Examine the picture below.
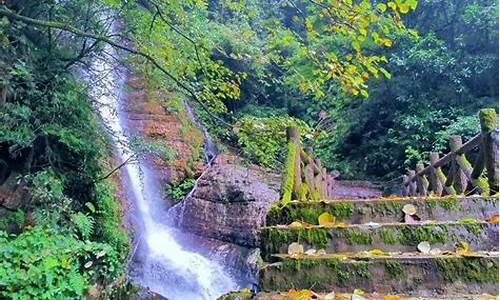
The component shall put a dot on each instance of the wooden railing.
(463, 177)
(304, 178)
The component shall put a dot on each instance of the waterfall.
(166, 266)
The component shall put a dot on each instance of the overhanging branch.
(68, 28)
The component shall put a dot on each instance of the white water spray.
(167, 268)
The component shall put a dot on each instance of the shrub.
(45, 264)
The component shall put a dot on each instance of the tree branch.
(69, 28)
(114, 170)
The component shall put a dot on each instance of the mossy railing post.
(293, 143)
(436, 175)
(422, 182)
(463, 167)
(489, 137)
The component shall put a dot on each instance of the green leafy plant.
(262, 140)
(45, 264)
(178, 192)
(83, 223)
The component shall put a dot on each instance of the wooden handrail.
(461, 171)
(471, 144)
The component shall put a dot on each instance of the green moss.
(308, 212)
(388, 236)
(431, 203)
(393, 269)
(488, 119)
(244, 294)
(361, 269)
(341, 210)
(288, 173)
(316, 237)
(482, 184)
(458, 269)
(449, 203)
(354, 236)
(320, 273)
(273, 239)
(303, 191)
(413, 235)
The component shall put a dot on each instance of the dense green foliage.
(66, 235)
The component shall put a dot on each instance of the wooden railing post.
(412, 183)
(464, 168)
(489, 135)
(436, 175)
(405, 189)
(422, 182)
(289, 176)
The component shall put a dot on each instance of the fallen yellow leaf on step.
(295, 224)
(391, 297)
(326, 219)
(378, 252)
(300, 295)
(462, 248)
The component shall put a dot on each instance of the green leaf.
(381, 7)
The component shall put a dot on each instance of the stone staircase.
(371, 248)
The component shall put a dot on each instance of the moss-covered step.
(387, 237)
(247, 294)
(410, 275)
(385, 210)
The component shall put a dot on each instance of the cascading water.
(209, 148)
(166, 267)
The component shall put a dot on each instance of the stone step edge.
(368, 296)
(423, 199)
(367, 255)
(368, 226)
(428, 198)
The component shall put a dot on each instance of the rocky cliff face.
(229, 203)
(163, 130)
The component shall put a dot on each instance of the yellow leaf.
(387, 43)
(404, 8)
(377, 252)
(340, 225)
(300, 295)
(392, 5)
(326, 219)
(295, 225)
(391, 297)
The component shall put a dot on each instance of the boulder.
(229, 203)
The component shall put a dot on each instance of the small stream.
(162, 259)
